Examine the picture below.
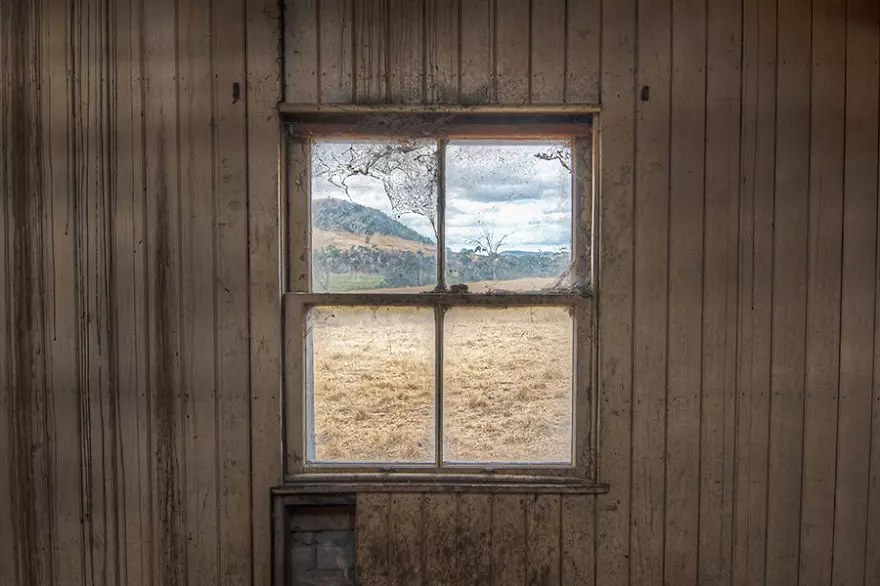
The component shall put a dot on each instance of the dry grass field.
(507, 384)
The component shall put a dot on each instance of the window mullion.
(439, 312)
(441, 214)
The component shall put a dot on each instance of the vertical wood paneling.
(615, 266)
(440, 525)
(756, 289)
(512, 51)
(789, 292)
(509, 538)
(684, 356)
(721, 212)
(650, 294)
(164, 312)
(405, 540)
(543, 541)
(370, 46)
(474, 538)
(582, 51)
(335, 59)
(301, 52)
(130, 283)
(406, 76)
(65, 460)
(198, 269)
(858, 291)
(477, 55)
(262, 92)
(231, 291)
(547, 69)
(441, 51)
(828, 103)
(872, 539)
(578, 540)
(372, 539)
(7, 552)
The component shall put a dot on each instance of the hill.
(339, 215)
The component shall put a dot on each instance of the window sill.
(449, 483)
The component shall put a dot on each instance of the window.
(438, 313)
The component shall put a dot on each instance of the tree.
(407, 170)
(487, 243)
(490, 245)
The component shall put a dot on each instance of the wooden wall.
(138, 271)
(739, 359)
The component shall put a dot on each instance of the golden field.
(507, 384)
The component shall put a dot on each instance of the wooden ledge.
(442, 483)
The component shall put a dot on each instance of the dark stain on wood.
(167, 474)
(26, 407)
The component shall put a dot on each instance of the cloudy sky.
(496, 186)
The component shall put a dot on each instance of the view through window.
(440, 328)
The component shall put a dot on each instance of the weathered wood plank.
(509, 539)
(301, 51)
(163, 309)
(615, 264)
(512, 52)
(130, 308)
(263, 92)
(582, 51)
(858, 290)
(405, 539)
(406, 76)
(825, 246)
(723, 96)
(548, 52)
(544, 539)
(440, 524)
(578, 540)
(231, 293)
(473, 539)
(371, 51)
(442, 55)
(477, 69)
(199, 327)
(789, 292)
(651, 287)
(756, 282)
(7, 552)
(372, 538)
(65, 458)
(686, 176)
(335, 59)
(872, 539)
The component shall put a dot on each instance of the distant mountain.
(527, 253)
(339, 215)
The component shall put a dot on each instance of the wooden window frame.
(300, 127)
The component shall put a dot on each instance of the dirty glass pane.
(508, 215)
(507, 384)
(371, 384)
(374, 213)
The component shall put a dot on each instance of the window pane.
(372, 384)
(507, 384)
(508, 215)
(374, 210)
